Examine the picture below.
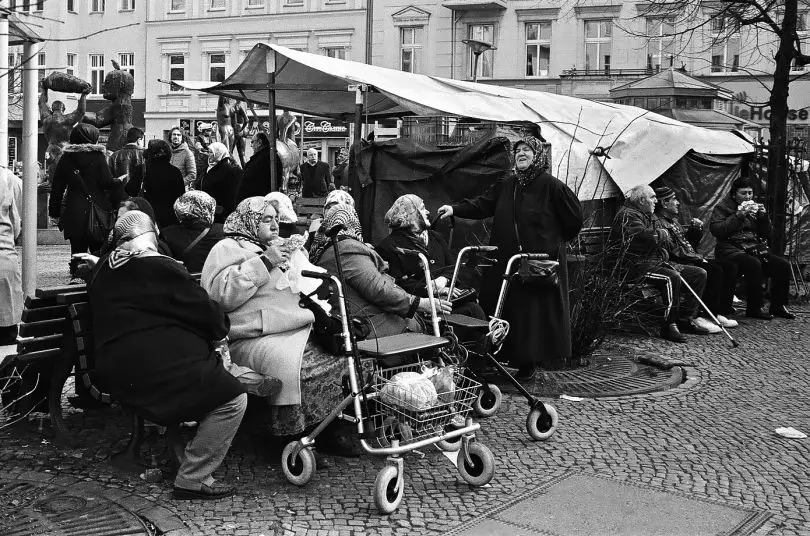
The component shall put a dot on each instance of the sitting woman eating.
(408, 219)
(370, 292)
(248, 274)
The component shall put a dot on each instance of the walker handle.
(488, 249)
(535, 256)
(316, 275)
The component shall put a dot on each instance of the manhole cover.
(609, 375)
(39, 509)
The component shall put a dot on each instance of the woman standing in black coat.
(162, 183)
(533, 212)
(82, 172)
(221, 180)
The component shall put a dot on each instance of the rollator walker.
(392, 429)
(541, 422)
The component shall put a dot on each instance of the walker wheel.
(388, 489)
(299, 469)
(450, 445)
(488, 401)
(542, 425)
(482, 469)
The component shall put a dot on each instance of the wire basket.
(406, 423)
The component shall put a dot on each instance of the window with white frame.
(598, 40)
(216, 67)
(410, 48)
(803, 33)
(177, 70)
(97, 6)
(126, 60)
(216, 5)
(27, 5)
(71, 6)
(255, 3)
(538, 48)
(485, 33)
(178, 6)
(96, 73)
(71, 63)
(725, 45)
(335, 52)
(660, 43)
(14, 76)
(127, 5)
(41, 66)
(293, 2)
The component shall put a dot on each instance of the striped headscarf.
(243, 223)
(195, 206)
(129, 227)
(337, 215)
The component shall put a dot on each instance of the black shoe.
(760, 314)
(671, 332)
(782, 312)
(205, 493)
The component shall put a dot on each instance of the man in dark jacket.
(125, 159)
(643, 242)
(315, 176)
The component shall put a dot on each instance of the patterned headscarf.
(286, 212)
(218, 152)
(338, 197)
(406, 213)
(243, 223)
(195, 206)
(337, 215)
(132, 225)
(539, 162)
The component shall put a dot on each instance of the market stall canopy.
(640, 145)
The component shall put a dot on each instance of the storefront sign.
(763, 113)
(325, 129)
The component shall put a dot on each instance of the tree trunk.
(777, 159)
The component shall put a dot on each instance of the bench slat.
(78, 310)
(38, 303)
(37, 344)
(41, 355)
(44, 327)
(43, 313)
(72, 297)
(52, 292)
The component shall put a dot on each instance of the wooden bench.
(309, 208)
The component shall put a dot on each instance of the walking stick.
(734, 343)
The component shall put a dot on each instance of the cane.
(734, 343)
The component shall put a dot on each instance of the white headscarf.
(218, 152)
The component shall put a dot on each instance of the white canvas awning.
(641, 144)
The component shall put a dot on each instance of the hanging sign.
(325, 128)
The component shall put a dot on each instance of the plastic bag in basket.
(410, 391)
(445, 385)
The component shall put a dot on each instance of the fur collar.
(85, 148)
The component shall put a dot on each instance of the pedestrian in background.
(221, 180)
(182, 157)
(162, 182)
(127, 158)
(11, 295)
(315, 176)
(256, 175)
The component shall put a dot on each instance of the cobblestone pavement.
(710, 438)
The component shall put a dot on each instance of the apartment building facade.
(582, 49)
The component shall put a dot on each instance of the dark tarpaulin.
(439, 175)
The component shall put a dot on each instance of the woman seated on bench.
(246, 273)
(191, 240)
(370, 292)
(408, 219)
(153, 327)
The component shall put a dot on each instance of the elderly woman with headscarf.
(161, 183)
(82, 179)
(409, 221)
(371, 293)
(221, 180)
(154, 327)
(533, 212)
(192, 238)
(246, 273)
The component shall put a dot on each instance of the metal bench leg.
(129, 459)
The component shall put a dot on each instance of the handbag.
(99, 220)
(328, 328)
(537, 273)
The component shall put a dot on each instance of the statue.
(56, 124)
(118, 88)
(232, 125)
(286, 148)
(224, 125)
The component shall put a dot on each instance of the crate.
(445, 130)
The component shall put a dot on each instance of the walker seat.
(404, 343)
(463, 321)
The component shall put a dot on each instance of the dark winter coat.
(735, 233)
(638, 239)
(546, 213)
(371, 293)
(125, 160)
(340, 175)
(153, 327)
(178, 237)
(315, 179)
(256, 176)
(162, 184)
(87, 162)
(221, 183)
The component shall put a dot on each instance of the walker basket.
(408, 424)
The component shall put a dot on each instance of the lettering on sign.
(325, 128)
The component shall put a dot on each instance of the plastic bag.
(445, 386)
(409, 390)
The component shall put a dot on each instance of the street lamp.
(477, 47)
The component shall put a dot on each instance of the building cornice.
(587, 12)
(539, 13)
(269, 16)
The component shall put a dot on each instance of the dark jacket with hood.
(82, 171)
(256, 176)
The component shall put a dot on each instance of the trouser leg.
(668, 283)
(751, 268)
(778, 270)
(726, 286)
(695, 277)
(205, 452)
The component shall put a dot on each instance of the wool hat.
(664, 193)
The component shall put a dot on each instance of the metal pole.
(369, 28)
(30, 168)
(271, 106)
(3, 89)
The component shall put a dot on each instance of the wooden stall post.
(271, 104)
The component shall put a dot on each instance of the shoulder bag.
(99, 220)
(194, 242)
(537, 273)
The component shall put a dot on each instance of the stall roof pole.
(4, 27)
(271, 104)
(30, 171)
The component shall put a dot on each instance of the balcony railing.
(609, 72)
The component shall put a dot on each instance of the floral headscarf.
(218, 152)
(539, 162)
(337, 215)
(338, 197)
(243, 223)
(286, 212)
(195, 206)
(406, 213)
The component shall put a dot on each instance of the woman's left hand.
(273, 254)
